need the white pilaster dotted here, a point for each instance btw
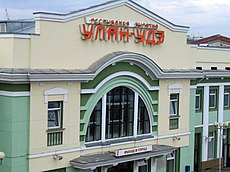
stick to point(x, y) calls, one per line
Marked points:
point(205, 124)
point(135, 166)
point(135, 114)
point(103, 120)
point(220, 120)
point(153, 164)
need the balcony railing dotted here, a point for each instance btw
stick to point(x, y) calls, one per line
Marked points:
point(174, 123)
point(54, 137)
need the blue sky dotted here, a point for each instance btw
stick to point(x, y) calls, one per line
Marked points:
point(205, 17)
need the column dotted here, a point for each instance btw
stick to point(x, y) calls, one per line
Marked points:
point(103, 120)
point(220, 120)
point(135, 166)
point(205, 124)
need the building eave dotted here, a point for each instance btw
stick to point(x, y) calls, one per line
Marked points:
point(49, 16)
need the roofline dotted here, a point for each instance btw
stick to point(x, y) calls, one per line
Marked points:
point(209, 47)
point(151, 69)
point(58, 17)
point(211, 39)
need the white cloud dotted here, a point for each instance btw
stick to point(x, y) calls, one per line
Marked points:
point(205, 17)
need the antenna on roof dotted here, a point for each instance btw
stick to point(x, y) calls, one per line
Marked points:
point(7, 15)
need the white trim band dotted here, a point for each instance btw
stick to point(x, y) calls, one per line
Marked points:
point(15, 36)
point(40, 155)
point(15, 94)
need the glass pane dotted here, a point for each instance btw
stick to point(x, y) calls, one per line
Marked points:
point(143, 118)
point(210, 146)
point(94, 127)
point(173, 107)
point(119, 111)
point(170, 165)
point(198, 101)
point(53, 105)
point(53, 118)
point(226, 100)
point(212, 101)
point(143, 168)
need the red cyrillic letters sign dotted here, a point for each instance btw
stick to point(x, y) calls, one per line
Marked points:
point(116, 30)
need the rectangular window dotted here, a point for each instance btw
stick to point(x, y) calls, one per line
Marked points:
point(212, 99)
point(94, 127)
point(198, 100)
point(174, 112)
point(54, 115)
point(55, 130)
point(171, 162)
point(226, 97)
point(211, 145)
point(174, 123)
point(174, 104)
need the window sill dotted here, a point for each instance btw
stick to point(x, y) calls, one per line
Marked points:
point(119, 140)
point(174, 116)
point(52, 130)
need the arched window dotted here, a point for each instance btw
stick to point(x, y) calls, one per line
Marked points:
point(120, 113)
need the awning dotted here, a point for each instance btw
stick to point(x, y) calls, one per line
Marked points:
point(109, 158)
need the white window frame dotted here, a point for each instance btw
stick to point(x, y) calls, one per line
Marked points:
point(212, 95)
point(177, 104)
point(59, 109)
point(211, 141)
point(172, 157)
point(198, 95)
point(226, 93)
point(135, 130)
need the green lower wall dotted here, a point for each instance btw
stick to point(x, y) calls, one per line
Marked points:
point(71, 169)
point(14, 133)
point(187, 155)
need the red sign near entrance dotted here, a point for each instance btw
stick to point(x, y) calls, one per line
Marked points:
point(117, 30)
point(136, 150)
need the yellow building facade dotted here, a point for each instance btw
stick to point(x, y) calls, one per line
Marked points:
point(107, 88)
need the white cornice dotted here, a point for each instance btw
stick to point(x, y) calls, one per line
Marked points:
point(15, 94)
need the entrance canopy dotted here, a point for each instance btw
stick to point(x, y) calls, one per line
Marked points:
point(109, 158)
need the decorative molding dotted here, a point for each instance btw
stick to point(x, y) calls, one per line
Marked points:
point(15, 94)
point(123, 73)
point(175, 86)
point(56, 91)
point(172, 135)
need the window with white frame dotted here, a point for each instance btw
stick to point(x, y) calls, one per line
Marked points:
point(226, 97)
point(171, 162)
point(198, 100)
point(174, 104)
point(122, 112)
point(212, 98)
point(211, 145)
point(54, 114)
